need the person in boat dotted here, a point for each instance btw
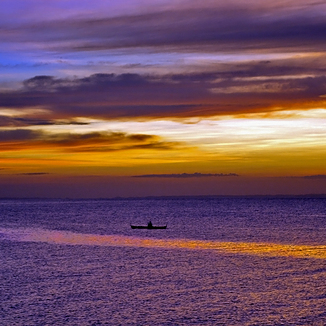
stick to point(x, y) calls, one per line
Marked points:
point(150, 225)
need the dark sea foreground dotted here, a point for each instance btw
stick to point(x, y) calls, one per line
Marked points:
point(221, 261)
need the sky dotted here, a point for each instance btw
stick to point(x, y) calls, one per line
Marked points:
point(128, 98)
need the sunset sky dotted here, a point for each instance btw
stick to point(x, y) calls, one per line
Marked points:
point(162, 97)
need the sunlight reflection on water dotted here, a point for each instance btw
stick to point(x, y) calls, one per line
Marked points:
point(251, 248)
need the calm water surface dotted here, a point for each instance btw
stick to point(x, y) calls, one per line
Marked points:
point(229, 261)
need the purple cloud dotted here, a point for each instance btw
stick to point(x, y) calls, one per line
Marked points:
point(210, 28)
point(186, 175)
point(316, 176)
point(132, 95)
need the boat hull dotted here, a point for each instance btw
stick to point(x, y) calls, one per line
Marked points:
point(148, 227)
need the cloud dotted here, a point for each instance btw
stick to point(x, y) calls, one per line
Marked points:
point(93, 82)
point(232, 88)
point(86, 142)
point(24, 122)
point(34, 173)
point(224, 28)
point(18, 135)
point(105, 95)
point(316, 176)
point(186, 175)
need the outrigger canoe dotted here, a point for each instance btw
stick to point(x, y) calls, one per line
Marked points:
point(149, 226)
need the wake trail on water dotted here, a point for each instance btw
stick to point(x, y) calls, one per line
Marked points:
point(249, 248)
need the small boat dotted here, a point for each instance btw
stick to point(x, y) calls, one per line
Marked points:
point(148, 226)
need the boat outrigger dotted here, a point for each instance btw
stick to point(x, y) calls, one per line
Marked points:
point(148, 226)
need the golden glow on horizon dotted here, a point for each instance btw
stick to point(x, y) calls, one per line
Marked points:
point(253, 143)
point(246, 248)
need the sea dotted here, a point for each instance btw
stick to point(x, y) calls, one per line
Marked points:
point(220, 261)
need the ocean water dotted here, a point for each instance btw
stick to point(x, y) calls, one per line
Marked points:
point(221, 261)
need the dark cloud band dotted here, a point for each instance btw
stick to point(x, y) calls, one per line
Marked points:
point(214, 28)
point(238, 89)
point(186, 175)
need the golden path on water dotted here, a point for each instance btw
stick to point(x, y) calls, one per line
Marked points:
point(249, 248)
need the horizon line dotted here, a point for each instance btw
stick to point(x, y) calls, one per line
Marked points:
point(289, 196)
